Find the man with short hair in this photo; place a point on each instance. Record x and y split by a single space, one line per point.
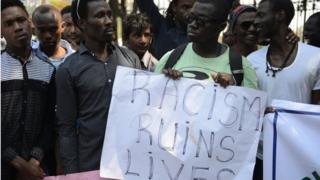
311 30
138 33
47 23
27 99
204 58
71 32
84 86
285 71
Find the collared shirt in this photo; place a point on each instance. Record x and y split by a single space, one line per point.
84 91
149 62
27 108
55 62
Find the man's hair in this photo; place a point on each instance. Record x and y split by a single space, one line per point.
316 17
136 23
44 9
79 10
13 3
66 10
282 5
222 6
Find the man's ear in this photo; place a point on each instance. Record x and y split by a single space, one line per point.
62 25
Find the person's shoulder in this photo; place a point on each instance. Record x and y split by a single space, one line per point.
258 56
125 50
66 45
41 59
71 60
185 47
127 53
166 55
129 59
308 49
261 52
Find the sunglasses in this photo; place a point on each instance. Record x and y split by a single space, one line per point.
246 25
200 21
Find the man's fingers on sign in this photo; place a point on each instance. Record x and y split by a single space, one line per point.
223 79
172 73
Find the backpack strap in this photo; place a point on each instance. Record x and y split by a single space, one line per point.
175 56
235 60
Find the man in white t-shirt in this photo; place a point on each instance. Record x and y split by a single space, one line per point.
285 71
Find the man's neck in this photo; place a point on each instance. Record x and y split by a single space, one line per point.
281 53
56 53
23 53
207 50
99 49
279 43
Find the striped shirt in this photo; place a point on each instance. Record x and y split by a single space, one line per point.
27 109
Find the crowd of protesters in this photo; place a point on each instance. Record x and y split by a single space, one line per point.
56 90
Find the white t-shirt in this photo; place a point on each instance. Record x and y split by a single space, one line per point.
293 83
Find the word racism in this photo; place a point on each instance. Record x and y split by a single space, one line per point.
165 129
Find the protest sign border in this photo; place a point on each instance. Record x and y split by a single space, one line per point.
275 119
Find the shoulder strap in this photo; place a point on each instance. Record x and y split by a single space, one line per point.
175 56
235 60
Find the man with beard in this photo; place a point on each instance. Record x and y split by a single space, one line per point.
27 100
71 32
169 31
138 37
47 23
311 30
284 70
84 86
204 58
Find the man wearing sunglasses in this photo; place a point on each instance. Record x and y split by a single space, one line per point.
242 32
84 86
204 58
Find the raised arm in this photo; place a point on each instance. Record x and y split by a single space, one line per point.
152 11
